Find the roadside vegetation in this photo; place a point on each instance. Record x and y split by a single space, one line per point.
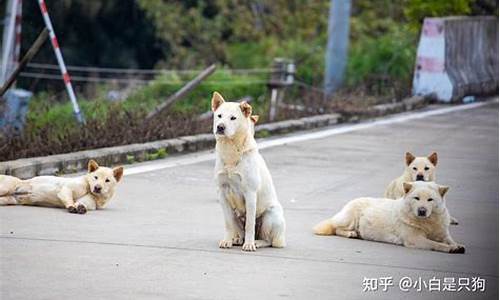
180 35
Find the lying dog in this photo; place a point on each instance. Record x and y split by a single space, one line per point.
77 195
416 169
417 220
253 215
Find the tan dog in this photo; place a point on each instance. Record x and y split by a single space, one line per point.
253 215
77 194
419 219
416 169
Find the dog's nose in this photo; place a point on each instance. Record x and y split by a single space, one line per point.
221 128
420 177
422 211
97 189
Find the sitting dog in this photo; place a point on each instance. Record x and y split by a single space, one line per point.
77 194
253 215
419 219
416 169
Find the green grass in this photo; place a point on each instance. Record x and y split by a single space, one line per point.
45 109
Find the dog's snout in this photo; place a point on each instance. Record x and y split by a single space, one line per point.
97 188
221 128
420 177
422 211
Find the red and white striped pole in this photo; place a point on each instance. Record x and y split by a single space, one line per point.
17 45
60 61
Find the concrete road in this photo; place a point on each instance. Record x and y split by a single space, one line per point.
158 238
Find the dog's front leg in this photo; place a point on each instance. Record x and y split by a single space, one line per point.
65 195
231 229
449 240
85 203
251 211
421 242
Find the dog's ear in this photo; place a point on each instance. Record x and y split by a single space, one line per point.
246 109
433 158
254 118
92 166
217 101
118 173
409 158
443 190
407 187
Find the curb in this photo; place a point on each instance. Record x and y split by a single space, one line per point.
77 161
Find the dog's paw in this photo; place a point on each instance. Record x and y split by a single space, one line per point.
457 249
249 246
225 244
237 241
81 209
72 209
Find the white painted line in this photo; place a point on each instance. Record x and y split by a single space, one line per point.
206 156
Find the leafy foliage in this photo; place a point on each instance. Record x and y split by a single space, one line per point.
196 33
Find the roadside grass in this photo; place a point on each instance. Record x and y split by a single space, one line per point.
45 110
51 127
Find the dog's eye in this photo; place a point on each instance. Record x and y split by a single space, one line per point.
416 198
233 118
426 168
107 180
95 177
414 168
219 115
430 199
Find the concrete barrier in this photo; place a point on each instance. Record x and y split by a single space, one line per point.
457 57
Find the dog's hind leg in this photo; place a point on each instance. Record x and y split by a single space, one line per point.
346 233
342 224
272 230
8 200
453 221
262 243
8 185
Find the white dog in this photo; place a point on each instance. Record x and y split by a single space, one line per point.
416 169
77 194
253 215
419 219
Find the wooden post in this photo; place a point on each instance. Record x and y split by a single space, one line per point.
182 92
42 37
281 77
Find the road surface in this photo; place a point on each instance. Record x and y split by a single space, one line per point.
158 238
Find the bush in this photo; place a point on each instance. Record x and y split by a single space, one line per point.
387 67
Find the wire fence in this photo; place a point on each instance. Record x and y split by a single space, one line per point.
144 71
130 80
103 75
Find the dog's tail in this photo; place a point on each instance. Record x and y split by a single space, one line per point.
325 227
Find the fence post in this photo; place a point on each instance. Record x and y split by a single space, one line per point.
282 76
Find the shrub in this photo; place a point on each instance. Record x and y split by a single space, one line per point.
383 65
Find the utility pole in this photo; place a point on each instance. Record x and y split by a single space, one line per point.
338 40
